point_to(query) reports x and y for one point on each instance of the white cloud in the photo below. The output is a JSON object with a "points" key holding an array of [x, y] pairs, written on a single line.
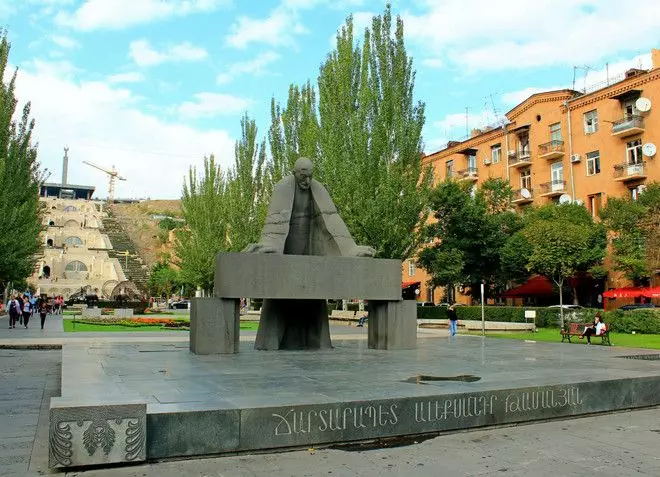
{"points": [[361, 21], [130, 77], [143, 54], [278, 29], [214, 104], [255, 66], [108, 125], [515, 97], [118, 14], [64, 42], [517, 34], [457, 127]]}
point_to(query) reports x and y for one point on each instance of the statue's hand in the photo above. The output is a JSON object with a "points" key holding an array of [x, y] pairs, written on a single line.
{"points": [[258, 248], [363, 251]]}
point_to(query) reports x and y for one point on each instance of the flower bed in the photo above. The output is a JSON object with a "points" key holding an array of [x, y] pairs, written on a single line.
{"points": [[135, 322]]}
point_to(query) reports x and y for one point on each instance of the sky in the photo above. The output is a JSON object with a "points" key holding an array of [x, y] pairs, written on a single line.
{"points": [[152, 86]]}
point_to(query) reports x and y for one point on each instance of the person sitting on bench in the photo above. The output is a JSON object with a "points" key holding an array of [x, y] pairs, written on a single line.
{"points": [[597, 329], [363, 319]]}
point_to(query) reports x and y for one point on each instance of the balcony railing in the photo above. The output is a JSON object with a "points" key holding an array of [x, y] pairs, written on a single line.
{"points": [[551, 150], [552, 188], [523, 196], [632, 124], [628, 172], [521, 158], [470, 173]]}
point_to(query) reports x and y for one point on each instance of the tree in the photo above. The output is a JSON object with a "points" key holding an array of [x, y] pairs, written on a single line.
{"points": [[634, 226], [20, 179], [469, 233], [564, 241], [163, 279], [365, 139]]}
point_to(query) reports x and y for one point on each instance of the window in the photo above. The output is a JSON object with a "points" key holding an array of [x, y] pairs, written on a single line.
{"points": [[634, 152], [555, 132], [595, 204], [591, 121], [629, 109], [495, 153], [70, 208], [76, 266], [411, 268], [635, 191], [449, 169], [557, 176], [593, 163], [472, 163], [523, 144], [526, 178], [73, 242]]}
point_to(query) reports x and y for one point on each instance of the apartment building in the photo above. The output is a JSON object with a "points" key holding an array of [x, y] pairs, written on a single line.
{"points": [[561, 146]]}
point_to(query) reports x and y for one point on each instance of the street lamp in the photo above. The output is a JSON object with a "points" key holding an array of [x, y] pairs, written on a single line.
{"points": [[483, 310]]}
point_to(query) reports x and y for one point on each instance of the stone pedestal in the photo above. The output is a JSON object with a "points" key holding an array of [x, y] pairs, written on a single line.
{"points": [[214, 325], [392, 324], [124, 312], [91, 312]]}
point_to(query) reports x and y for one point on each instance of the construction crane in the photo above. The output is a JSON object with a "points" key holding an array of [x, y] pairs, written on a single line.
{"points": [[113, 175]]}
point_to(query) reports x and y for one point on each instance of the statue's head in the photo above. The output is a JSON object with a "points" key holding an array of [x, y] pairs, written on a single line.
{"points": [[303, 170]]}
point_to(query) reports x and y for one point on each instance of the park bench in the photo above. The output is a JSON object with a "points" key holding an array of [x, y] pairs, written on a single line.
{"points": [[576, 329]]}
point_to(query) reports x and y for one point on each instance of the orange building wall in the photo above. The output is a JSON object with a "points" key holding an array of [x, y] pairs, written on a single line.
{"points": [[539, 112]]}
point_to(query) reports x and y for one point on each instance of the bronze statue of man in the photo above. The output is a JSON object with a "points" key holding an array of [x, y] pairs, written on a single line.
{"points": [[301, 220]]}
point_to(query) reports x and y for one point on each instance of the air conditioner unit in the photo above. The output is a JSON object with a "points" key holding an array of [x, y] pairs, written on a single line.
{"points": [[486, 162], [512, 153], [575, 158]]}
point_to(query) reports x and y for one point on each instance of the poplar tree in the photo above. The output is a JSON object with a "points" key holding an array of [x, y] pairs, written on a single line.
{"points": [[367, 141], [20, 179]]}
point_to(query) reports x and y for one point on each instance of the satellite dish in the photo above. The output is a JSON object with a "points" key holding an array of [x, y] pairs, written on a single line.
{"points": [[643, 104], [578, 202], [525, 194], [564, 199], [649, 149]]}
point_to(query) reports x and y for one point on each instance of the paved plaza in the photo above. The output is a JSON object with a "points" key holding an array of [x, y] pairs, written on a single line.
{"points": [[623, 443]]}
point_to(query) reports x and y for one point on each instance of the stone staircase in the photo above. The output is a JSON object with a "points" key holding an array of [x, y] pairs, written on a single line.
{"points": [[133, 266]]}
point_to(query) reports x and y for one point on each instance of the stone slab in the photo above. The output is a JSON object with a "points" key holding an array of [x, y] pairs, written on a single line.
{"points": [[255, 401], [256, 275], [214, 326], [83, 435], [124, 312], [91, 312], [474, 325], [393, 324]]}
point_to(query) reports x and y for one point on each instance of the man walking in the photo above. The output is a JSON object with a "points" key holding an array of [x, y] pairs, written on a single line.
{"points": [[14, 310], [453, 320]]}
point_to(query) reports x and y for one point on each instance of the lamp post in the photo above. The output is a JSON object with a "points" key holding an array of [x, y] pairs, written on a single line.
{"points": [[483, 310]]}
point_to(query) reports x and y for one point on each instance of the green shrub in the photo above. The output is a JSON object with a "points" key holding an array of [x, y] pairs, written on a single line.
{"points": [[640, 321]]}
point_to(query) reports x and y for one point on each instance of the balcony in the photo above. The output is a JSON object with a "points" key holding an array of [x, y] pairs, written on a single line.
{"points": [[469, 174], [523, 196], [551, 150], [552, 189], [520, 159], [629, 172], [628, 126]]}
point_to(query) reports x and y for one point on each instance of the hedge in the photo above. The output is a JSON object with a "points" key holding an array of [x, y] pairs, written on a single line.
{"points": [[137, 306], [645, 321], [545, 317]]}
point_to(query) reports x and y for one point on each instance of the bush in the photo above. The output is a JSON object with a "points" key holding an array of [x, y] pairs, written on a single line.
{"points": [[138, 306], [639, 321], [545, 317]]}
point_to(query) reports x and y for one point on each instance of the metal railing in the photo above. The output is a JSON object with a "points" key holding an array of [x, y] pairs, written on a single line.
{"points": [[552, 186], [555, 145], [626, 169], [520, 156], [520, 196], [466, 173], [629, 122]]}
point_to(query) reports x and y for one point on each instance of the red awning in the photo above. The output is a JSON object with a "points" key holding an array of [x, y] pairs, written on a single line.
{"points": [[535, 286], [632, 292], [409, 284]]}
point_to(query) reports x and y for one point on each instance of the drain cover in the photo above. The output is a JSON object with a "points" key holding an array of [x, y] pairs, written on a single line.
{"points": [[425, 379], [647, 357]]}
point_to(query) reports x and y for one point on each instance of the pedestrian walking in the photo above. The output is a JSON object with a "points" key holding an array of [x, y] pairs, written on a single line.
{"points": [[43, 312], [453, 320], [27, 311], [20, 305], [14, 309]]}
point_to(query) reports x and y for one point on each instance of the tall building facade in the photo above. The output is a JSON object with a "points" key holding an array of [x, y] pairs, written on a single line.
{"points": [[559, 146]]}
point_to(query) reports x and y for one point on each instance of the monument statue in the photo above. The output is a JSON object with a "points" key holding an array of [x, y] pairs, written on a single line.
{"points": [[301, 220]]}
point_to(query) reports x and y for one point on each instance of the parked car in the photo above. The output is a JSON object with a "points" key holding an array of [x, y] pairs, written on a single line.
{"points": [[637, 306], [566, 307], [425, 303], [180, 305]]}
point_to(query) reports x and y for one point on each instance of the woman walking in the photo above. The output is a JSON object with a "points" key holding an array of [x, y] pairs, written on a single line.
{"points": [[27, 311], [43, 312]]}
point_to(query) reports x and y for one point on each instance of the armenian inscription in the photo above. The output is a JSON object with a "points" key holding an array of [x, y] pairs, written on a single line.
{"points": [[359, 420]]}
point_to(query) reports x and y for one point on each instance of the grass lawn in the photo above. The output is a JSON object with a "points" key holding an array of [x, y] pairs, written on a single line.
{"points": [[551, 335], [70, 326]]}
